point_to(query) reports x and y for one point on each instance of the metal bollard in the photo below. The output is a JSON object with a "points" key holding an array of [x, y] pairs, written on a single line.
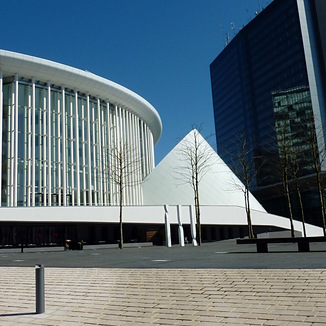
{"points": [[39, 278]]}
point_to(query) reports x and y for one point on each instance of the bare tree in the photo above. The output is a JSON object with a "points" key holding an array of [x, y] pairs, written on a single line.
{"points": [[317, 160], [295, 170], [292, 113], [196, 156], [124, 171], [285, 152], [247, 172]]}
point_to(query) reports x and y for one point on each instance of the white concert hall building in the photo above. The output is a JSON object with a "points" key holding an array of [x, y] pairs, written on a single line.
{"points": [[58, 126]]}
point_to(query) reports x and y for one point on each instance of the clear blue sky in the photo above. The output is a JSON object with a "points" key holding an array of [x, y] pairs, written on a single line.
{"points": [[160, 49]]}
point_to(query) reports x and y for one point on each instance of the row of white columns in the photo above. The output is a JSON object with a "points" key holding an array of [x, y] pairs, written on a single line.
{"points": [[180, 227], [109, 128]]}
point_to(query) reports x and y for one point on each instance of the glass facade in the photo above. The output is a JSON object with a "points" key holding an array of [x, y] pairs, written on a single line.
{"points": [[264, 77], [56, 145], [294, 126]]}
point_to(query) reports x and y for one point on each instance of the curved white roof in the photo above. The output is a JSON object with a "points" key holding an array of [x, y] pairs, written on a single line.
{"points": [[12, 63]]}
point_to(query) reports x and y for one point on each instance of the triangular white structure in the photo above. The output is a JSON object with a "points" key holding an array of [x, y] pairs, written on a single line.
{"points": [[219, 186]]}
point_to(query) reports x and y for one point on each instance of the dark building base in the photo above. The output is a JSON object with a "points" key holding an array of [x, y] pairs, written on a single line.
{"points": [[56, 234]]}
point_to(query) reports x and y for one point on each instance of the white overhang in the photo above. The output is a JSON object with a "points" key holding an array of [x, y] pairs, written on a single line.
{"points": [[12, 63]]}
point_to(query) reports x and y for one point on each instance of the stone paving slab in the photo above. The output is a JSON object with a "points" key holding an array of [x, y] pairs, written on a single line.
{"points": [[95, 296]]}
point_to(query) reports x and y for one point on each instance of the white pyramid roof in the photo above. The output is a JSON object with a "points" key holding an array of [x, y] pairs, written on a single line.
{"points": [[219, 186]]}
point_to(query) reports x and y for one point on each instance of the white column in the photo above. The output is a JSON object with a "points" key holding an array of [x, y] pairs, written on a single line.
{"points": [[147, 150], [15, 185], [135, 159], [29, 148], [139, 170], [59, 164], [12, 146], [152, 151], [116, 145], [100, 172], [44, 160], [71, 140], [192, 225], [25, 126], [83, 153], [180, 227], [33, 142], [64, 165], [167, 226], [93, 122], [110, 129], [123, 149], [105, 159], [130, 161], [77, 149], [1, 115], [89, 152], [49, 185], [142, 149], [149, 161]]}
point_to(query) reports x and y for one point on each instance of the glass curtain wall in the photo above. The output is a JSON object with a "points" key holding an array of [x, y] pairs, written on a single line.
{"points": [[56, 146]]}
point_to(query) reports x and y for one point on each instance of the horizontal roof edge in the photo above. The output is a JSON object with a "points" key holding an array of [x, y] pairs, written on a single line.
{"points": [[83, 81]]}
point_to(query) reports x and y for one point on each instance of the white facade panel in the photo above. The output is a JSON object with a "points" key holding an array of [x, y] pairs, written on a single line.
{"points": [[61, 125]]}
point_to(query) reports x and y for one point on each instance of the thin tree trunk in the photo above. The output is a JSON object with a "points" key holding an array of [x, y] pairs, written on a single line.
{"points": [[322, 202], [287, 193], [198, 210], [318, 174], [121, 200], [198, 222], [301, 204], [121, 226], [250, 228]]}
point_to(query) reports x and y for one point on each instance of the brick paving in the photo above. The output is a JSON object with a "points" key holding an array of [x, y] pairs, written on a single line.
{"points": [[101, 296]]}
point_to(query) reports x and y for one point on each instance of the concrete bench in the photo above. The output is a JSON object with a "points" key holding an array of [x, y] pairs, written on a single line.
{"points": [[261, 243]]}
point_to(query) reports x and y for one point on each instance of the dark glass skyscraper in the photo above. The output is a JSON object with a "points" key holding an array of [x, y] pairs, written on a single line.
{"points": [[273, 70]]}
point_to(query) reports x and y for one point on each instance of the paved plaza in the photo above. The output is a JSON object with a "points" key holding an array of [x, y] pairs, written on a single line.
{"points": [[160, 292]]}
